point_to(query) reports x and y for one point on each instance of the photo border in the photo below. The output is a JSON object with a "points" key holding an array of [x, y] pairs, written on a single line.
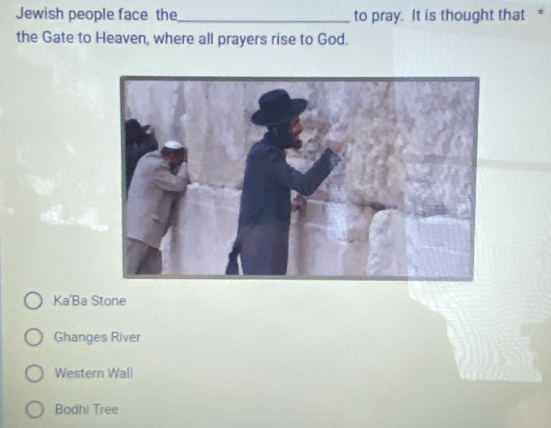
{"points": [[474, 164]]}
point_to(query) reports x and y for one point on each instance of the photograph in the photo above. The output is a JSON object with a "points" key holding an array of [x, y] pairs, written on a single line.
{"points": [[358, 179]]}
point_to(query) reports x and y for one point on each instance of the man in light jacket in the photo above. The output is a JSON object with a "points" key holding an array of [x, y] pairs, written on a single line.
{"points": [[159, 180]]}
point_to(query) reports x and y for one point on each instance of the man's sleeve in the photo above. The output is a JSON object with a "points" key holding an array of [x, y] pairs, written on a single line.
{"points": [[308, 182], [136, 152], [168, 181]]}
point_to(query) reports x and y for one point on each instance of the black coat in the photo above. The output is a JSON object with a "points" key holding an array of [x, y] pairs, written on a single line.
{"points": [[265, 212], [134, 152]]}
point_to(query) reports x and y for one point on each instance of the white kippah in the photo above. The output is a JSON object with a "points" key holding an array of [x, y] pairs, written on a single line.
{"points": [[175, 145]]}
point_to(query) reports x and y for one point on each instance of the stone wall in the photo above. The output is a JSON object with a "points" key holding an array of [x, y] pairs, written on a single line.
{"points": [[400, 204]]}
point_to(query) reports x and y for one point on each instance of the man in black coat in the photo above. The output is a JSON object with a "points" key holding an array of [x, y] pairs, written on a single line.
{"points": [[138, 142], [265, 214]]}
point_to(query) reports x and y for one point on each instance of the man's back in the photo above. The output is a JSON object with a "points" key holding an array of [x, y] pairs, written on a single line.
{"points": [[264, 199], [153, 189], [269, 179]]}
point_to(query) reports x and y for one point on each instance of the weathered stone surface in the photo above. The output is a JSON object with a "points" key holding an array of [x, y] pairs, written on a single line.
{"points": [[216, 132], [435, 247], [428, 190], [439, 247], [204, 234], [316, 246], [358, 223], [156, 103], [388, 245]]}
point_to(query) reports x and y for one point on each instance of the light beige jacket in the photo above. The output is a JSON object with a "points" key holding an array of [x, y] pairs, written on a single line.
{"points": [[152, 192]]}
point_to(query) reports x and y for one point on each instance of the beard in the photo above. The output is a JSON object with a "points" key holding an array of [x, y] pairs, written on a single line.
{"points": [[297, 143], [280, 137]]}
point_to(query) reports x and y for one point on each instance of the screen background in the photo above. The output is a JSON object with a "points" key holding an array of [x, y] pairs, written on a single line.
{"points": [[229, 352]]}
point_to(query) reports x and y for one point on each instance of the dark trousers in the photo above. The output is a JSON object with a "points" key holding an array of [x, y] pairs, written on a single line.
{"points": [[265, 248]]}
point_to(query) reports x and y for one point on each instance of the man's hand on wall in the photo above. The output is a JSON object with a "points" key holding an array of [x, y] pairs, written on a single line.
{"points": [[298, 203], [336, 146]]}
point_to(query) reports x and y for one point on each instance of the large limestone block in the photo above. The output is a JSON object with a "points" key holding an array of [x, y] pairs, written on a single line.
{"points": [[440, 189], [388, 245], [204, 233], [374, 172], [358, 224], [216, 132], [156, 103], [335, 111], [316, 244], [415, 122], [437, 247], [437, 123], [436, 119], [329, 239]]}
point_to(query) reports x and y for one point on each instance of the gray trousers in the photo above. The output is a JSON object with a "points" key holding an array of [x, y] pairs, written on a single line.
{"points": [[141, 259]]}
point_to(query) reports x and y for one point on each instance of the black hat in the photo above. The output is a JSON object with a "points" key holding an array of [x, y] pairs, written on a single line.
{"points": [[277, 107], [133, 129]]}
